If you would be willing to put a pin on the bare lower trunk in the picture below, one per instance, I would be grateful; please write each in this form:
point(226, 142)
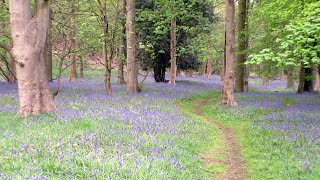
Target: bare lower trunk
point(173, 49)
point(120, 61)
point(290, 80)
point(316, 79)
point(246, 80)
point(265, 81)
point(242, 46)
point(29, 35)
point(132, 65)
point(305, 84)
point(81, 68)
point(12, 70)
point(209, 68)
point(228, 78)
point(204, 68)
point(49, 50)
point(107, 75)
point(121, 55)
point(72, 38)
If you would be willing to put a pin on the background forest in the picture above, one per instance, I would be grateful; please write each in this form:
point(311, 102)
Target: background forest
point(160, 89)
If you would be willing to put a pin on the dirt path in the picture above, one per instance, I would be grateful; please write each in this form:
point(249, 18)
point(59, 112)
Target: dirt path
point(234, 161)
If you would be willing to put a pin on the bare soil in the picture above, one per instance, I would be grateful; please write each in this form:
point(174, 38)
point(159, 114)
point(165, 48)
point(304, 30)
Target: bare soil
point(233, 157)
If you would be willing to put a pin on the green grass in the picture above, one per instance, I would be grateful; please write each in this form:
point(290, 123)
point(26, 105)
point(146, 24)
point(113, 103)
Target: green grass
point(266, 156)
point(35, 144)
point(216, 147)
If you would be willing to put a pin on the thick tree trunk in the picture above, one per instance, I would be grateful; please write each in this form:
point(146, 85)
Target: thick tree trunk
point(73, 58)
point(305, 84)
point(49, 49)
point(242, 46)
point(132, 65)
point(173, 49)
point(159, 73)
point(290, 80)
point(228, 79)
point(29, 36)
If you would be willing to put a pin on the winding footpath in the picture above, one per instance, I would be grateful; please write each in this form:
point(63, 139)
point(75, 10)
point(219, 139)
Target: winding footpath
point(233, 157)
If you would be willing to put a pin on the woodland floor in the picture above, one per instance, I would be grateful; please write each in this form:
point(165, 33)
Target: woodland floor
point(164, 132)
point(233, 158)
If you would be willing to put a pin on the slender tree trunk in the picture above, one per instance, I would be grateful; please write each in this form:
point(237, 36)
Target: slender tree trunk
point(73, 59)
point(209, 67)
point(316, 79)
point(122, 45)
point(107, 60)
point(242, 46)
point(132, 65)
point(290, 80)
point(12, 70)
point(81, 67)
point(29, 36)
point(49, 49)
point(204, 68)
point(228, 79)
point(246, 80)
point(173, 49)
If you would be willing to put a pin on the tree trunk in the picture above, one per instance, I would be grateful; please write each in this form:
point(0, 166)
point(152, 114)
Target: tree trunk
point(316, 79)
point(305, 84)
point(81, 68)
point(173, 49)
point(132, 65)
point(72, 37)
point(49, 49)
point(106, 58)
point(242, 46)
point(12, 70)
point(209, 67)
point(290, 80)
point(29, 36)
point(204, 68)
point(246, 80)
point(228, 79)
point(120, 59)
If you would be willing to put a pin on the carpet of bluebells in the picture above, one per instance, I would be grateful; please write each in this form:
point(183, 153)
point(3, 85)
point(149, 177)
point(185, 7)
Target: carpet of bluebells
point(147, 136)
point(142, 136)
point(284, 129)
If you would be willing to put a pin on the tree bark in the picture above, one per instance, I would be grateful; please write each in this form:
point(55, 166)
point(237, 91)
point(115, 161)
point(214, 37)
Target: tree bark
point(29, 36)
point(228, 78)
point(49, 49)
point(132, 65)
point(204, 68)
point(120, 59)
point(12, 70)
point(173, 50)
point(81, 68)
point(305, 84)
point(72, 38)
point(209, 67)
point(242, 46)
point(316, 79)
point(106, 58)
point(290, 80)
